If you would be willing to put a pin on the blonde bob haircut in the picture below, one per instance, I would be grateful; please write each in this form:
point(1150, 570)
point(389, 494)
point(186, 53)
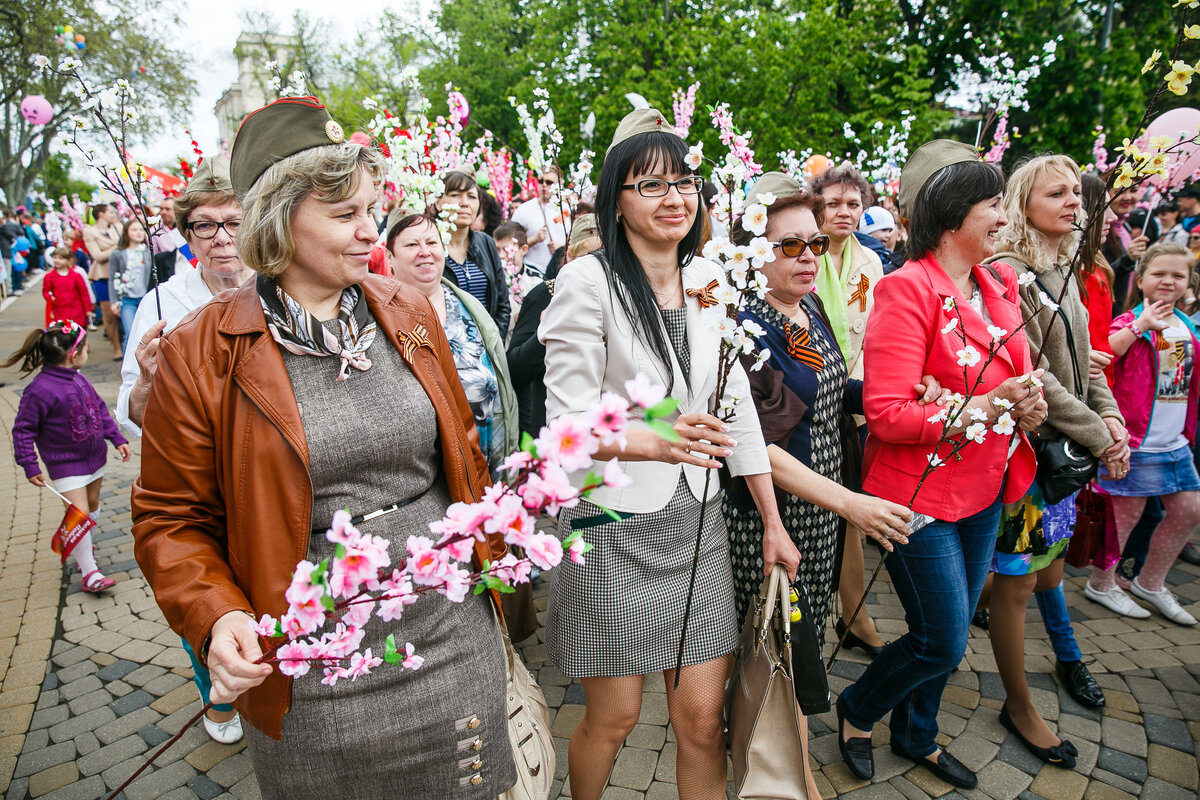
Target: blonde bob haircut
point(329, 173)
point(1019, 236)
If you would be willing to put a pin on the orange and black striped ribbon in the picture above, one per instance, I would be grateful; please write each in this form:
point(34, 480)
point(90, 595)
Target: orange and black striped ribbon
point(799, 347)
point(1161, 342)
point(419, 337)
point(705, 296)
point(860, 293)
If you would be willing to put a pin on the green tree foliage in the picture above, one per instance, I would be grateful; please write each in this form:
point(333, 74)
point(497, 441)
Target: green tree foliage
point(124, 39)
point(794, 70)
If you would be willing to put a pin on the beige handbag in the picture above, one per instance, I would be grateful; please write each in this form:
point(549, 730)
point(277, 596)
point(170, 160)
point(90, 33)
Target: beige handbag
point(764, 722)
point(528, 730)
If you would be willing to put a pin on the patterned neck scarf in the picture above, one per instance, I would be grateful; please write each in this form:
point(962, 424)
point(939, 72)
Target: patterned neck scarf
point(298, 332)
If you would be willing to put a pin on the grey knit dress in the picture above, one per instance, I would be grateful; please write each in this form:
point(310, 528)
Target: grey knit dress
point(372, 441)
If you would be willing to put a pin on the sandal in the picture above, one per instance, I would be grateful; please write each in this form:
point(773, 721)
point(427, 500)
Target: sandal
point(95, 583)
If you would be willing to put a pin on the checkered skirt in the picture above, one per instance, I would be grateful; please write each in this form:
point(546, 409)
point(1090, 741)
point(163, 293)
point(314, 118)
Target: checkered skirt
point(621, 612)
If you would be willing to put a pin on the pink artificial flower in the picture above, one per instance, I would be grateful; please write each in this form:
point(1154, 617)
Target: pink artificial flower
point(511, 570)
point(576, 549)
point(293, 659)
point(544, 550)
point(556, 487)
point(644, 393)
point(362, 664)
point(361, 565)
point(566, 440)
point(303, 620)
point(610, 418)
point(614, 478)
point(331, 675)
point(466, 518)
point(426, 565)
point(411, 659)
point(455, 585)
point(516, 462)
point(340, 642)
point(265, 627)
point(397, 594)
point(341, 531)
point(358, 612)
point(511, 521)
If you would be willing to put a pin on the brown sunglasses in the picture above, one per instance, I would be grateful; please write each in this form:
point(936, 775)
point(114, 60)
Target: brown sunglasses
point(793, 246)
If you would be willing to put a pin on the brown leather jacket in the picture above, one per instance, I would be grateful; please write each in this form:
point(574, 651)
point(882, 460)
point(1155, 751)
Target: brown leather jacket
point(222, 509)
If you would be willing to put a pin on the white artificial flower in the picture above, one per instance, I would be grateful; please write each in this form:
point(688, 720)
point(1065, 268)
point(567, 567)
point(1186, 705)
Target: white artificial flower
point(725, 295)
point(1002, 403)
point(765, 199)
point(1045, 300)
point(976, 432)
point(940, 416)
point(1026, 278)
point(996, 332)
point(951, 325)
point(713, 247)
point(41, 62)
point(760, 359)
point(753, 328)
point(976, 414)
point(754, 219)
point(271, 65)
point(695, 157)
point(1004, 425)
point(1031, 379)
point(370, 103)
point(761, 250)
point(935, 460)
point(968, 356)
point(948, 304)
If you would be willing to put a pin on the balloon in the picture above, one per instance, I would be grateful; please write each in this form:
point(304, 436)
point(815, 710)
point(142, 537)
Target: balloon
point(636, 100)
point(79, 37)
point(36, 109)
point(815, 165)
point(80, 45)
point(59, 29)
point(1185, 160)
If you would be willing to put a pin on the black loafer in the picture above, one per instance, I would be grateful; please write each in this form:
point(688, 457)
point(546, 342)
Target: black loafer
point(947, 767)
point(856, 752)
point(981, 619)
point(1062, 754)
point(1079, 683)
point(853, 641)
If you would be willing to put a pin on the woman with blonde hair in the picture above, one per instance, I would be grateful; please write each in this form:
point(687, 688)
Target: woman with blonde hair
point(1044, 208)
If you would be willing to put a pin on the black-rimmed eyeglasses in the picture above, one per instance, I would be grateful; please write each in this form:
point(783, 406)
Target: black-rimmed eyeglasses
point(655, 187)
point(793, 246)
point(207, 229)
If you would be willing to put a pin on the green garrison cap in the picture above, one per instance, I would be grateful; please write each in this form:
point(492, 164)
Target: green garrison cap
point(643, 120)
point(582, 228)
point(270, 134)
point(925, 161)
point(211, 175)
point(775, 183)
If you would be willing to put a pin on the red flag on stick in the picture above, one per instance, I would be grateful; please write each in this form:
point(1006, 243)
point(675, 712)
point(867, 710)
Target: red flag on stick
point(75, 525)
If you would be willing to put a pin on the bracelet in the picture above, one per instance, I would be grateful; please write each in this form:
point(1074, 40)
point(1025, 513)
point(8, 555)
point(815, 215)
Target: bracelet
point(1132, 326)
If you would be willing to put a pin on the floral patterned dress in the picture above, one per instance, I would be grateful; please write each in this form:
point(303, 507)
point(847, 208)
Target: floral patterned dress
point(478, 377)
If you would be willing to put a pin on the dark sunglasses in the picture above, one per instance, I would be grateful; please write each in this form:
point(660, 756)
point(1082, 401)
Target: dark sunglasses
point(793, 246)
point(545, 182)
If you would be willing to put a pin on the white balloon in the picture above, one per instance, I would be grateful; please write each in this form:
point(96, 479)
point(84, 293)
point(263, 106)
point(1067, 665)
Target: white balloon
point(636, 100)
point(589, 126)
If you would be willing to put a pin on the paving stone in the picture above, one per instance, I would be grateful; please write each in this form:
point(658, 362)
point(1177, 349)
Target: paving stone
point(138, 651)
point(1172, 766)
point(876, 791)
point(153, 735)
point(111, 755)
point(116, 670)
point(174, 700)
point(232, 770)
point(565, 720)
point(85, 722)
point(131, 702)
point(1168, 732)
point(118, 688)
point(974, 751)
point(246, 789)
point(43, 758)
point(143, 674)
point(164, 684)
point(665, 771)
point(123, 726)
point(73, 655)
point(1155, 789)
point(1126, 766)
point(647, 737)
point(89, 701)
point(211, 753)
point(1124, 736)
point(53, 778)
point(634, 768)
point(48, 717)
point(1014, 753)
point(1098, 790)
point(79, 687)
point(204, 788)
point(182, 793)
point(161, 781)
point(73, 672)
point(86, 789)
point(1059, 784)
point(1002, 781)
point(86, 743)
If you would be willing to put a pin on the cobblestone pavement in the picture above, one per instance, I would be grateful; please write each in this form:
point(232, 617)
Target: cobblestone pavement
point(89, 684)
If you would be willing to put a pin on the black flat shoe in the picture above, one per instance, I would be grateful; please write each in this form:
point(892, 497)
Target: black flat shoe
point(854, 641)
point(981, 619)
point(856, 752)
point(1079, 683)
point(1061, 755)
point(947, 767)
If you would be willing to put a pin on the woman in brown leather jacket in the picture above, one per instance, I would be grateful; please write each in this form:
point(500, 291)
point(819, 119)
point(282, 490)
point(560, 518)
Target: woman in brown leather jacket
point(314, 388)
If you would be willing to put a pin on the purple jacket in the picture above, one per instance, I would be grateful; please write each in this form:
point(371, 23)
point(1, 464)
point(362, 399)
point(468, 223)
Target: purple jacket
point(63, 415)
point(1135, 379)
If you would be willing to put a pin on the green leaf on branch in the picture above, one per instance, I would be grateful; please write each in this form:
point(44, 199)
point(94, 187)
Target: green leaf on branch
point(527, 444)
point(663, 408)
point(663, 429)
point(339, 552)
point(390, 654)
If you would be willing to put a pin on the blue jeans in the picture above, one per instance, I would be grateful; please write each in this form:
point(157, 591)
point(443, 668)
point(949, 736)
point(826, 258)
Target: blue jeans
point(1053, 605)
point(938, 576)
point(129, 306)
point(203, 682)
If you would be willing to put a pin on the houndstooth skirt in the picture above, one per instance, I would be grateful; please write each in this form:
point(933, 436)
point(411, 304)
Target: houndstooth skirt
point(621, 612)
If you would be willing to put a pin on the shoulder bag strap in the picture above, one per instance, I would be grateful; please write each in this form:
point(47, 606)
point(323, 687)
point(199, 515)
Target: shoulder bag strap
point(1070, 339)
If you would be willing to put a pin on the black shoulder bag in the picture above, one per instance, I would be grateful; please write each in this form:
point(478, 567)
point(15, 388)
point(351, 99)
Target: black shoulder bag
point(1063, 465)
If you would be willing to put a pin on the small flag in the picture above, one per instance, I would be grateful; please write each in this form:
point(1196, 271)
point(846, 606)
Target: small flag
point(75, 525)
point(183, 247)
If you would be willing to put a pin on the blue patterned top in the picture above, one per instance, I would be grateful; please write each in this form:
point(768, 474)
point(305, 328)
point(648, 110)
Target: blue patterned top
point(470, 279)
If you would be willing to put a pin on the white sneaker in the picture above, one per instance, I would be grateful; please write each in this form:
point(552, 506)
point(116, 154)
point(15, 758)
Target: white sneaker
point(224, 732)
point(1117, 601)
point(1165, 602)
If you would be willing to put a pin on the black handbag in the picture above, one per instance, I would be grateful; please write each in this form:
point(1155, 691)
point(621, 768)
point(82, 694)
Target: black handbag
point(1063, 465)
point(808, 668)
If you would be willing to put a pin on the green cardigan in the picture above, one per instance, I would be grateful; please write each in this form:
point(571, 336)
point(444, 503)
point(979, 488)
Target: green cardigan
point(493, 343)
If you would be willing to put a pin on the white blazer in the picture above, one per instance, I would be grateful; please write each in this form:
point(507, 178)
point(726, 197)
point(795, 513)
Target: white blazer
point(592, 348)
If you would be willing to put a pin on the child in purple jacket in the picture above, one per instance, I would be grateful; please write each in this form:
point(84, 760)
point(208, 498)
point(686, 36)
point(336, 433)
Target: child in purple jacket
point(61, 413)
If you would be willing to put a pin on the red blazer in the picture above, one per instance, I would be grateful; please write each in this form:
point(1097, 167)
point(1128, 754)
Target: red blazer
point(905, 341)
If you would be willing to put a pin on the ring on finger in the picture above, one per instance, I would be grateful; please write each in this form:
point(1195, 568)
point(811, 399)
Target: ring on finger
point(688, 449)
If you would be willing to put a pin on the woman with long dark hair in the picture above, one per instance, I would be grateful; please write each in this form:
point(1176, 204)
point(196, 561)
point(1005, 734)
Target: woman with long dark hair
point(640, 306)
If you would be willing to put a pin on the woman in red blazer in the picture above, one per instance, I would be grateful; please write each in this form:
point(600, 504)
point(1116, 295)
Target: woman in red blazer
point(922, 314)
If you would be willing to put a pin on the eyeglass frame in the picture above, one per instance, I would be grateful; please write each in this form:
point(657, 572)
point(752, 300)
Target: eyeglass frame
point(695, 179)
point(237, 223)
point(804, 245)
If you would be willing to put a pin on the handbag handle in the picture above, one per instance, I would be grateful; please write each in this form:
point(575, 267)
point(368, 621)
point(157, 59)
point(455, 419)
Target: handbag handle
point(775, 585)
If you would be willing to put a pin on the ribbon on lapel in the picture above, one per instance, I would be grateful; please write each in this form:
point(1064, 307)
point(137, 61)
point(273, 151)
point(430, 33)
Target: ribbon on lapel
point(860, 293)
point(1160, 341)
point(705, 296)
point(417, 338)
point(799, 347)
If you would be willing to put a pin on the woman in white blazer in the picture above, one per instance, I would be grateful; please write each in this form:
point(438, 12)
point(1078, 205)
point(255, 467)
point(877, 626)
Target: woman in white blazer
point(636, 307)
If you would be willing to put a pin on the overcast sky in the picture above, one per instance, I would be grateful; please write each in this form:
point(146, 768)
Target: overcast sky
point(210, 30)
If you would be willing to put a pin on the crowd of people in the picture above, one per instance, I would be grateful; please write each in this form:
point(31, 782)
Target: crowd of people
point(294, 330)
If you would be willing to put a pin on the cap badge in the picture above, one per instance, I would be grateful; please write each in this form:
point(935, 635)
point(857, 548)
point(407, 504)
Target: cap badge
point(334, 131)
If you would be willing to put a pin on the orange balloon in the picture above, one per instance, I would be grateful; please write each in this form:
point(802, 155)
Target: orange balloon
point(815, 165)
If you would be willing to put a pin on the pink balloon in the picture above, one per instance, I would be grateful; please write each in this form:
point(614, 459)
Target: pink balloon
point(1180, 124)
point(36, 109)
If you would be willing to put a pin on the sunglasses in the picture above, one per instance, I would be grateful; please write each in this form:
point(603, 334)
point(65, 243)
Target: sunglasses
point(545, 182)
point(793, 246)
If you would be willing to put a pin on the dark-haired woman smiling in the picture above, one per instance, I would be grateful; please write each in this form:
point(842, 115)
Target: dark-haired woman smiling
point(939, 573)
point(640, 306)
